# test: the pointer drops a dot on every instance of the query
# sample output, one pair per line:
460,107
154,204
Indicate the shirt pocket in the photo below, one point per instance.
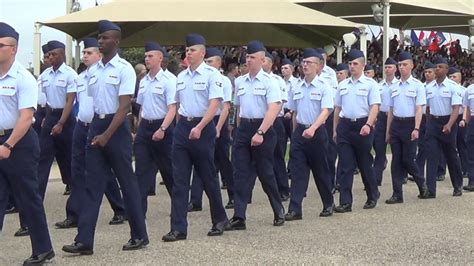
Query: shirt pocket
259,91
157,90
297,95
445,94
240,91
362,92
394,93
200,86
112,80
61,83
315,96
343,91
429,94
180,86
7,91
410,93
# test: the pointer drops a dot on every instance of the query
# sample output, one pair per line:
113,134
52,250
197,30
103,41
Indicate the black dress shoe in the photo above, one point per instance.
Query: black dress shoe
65,224
343,208
326,212
236,224
292,216
230,204
440,178
78,248
285,197
224,186
469,188
411,178
174,236
23,231
194,208
405,180
162,183
278,220
356,171
423,190
219,228
67,190
117,219
40,259
370,204
457,193
11,210
394,200
151,193
134,244
427,195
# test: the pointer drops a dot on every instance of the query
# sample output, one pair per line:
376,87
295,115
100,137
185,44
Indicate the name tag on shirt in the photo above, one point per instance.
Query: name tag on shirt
199,86
180,86
445,93
7,90
429,95
92,80
470,95
362,92
410,93
61,83
395,92
80,87
343,91
111,79
240,91
259,91
315,96
158,90
297,95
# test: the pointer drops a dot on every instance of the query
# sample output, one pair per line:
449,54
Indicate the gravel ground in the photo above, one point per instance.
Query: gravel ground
427,232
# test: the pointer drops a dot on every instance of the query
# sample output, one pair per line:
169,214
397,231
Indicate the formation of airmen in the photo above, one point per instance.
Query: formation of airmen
183,133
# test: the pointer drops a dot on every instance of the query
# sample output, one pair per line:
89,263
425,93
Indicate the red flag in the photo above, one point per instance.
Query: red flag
422,36
432,36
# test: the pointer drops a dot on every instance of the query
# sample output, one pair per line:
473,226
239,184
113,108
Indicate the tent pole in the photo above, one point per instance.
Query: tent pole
363,40
386,27
339,53
36,50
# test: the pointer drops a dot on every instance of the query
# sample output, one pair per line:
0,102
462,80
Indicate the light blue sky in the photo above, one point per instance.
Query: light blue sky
22,14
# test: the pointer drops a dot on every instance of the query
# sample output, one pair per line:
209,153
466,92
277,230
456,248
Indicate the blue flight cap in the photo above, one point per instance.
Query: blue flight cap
453,70
368,67
45,48
390,61
286,61
213,51
90,42
428,65
310,52
105,25
354,54
154,46
8,31
440,61
255,46
404,56
342,67
268,55
194,39
242,60
320,50
55,45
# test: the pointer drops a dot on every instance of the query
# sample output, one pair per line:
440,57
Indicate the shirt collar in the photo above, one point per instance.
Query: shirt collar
13,71
113,61
408,81
61,69
258,76
157,76
199,69
362,79
394,80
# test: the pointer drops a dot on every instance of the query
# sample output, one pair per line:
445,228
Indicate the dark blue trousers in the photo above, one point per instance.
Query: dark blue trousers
462,146
222,163
353,148
152,156
59,147
40,114
380,146
116,155
199,153
422,153
18,174
78,164
251,161
332,148
306,155
437,142
403,155
470,151
279,165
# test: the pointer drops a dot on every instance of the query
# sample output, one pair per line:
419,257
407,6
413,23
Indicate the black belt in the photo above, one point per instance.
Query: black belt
82,123
440,116
103,116
54,110
383,113
4,132
153,121
410,118
251,120
40,106
304,125
354,119
191,119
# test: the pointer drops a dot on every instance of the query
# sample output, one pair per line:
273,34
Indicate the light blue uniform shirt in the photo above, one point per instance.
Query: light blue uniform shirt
461,90
41,95
424,107
195,89
254,95
227,84
329,76
309,99
56,84
155,94
18,90
385,95
290,84
86,103
356,97
115,78
468,99
406,96
283,92
441,97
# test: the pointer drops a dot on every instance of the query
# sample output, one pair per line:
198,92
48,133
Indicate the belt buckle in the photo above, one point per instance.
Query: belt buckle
353,119
2,132
189,119
102,116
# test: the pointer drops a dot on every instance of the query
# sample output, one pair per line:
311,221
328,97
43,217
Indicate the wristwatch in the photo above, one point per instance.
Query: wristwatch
260,132
163,128
10,147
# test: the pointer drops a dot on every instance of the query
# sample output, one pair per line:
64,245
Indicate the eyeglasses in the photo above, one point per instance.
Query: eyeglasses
307,62
3,45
